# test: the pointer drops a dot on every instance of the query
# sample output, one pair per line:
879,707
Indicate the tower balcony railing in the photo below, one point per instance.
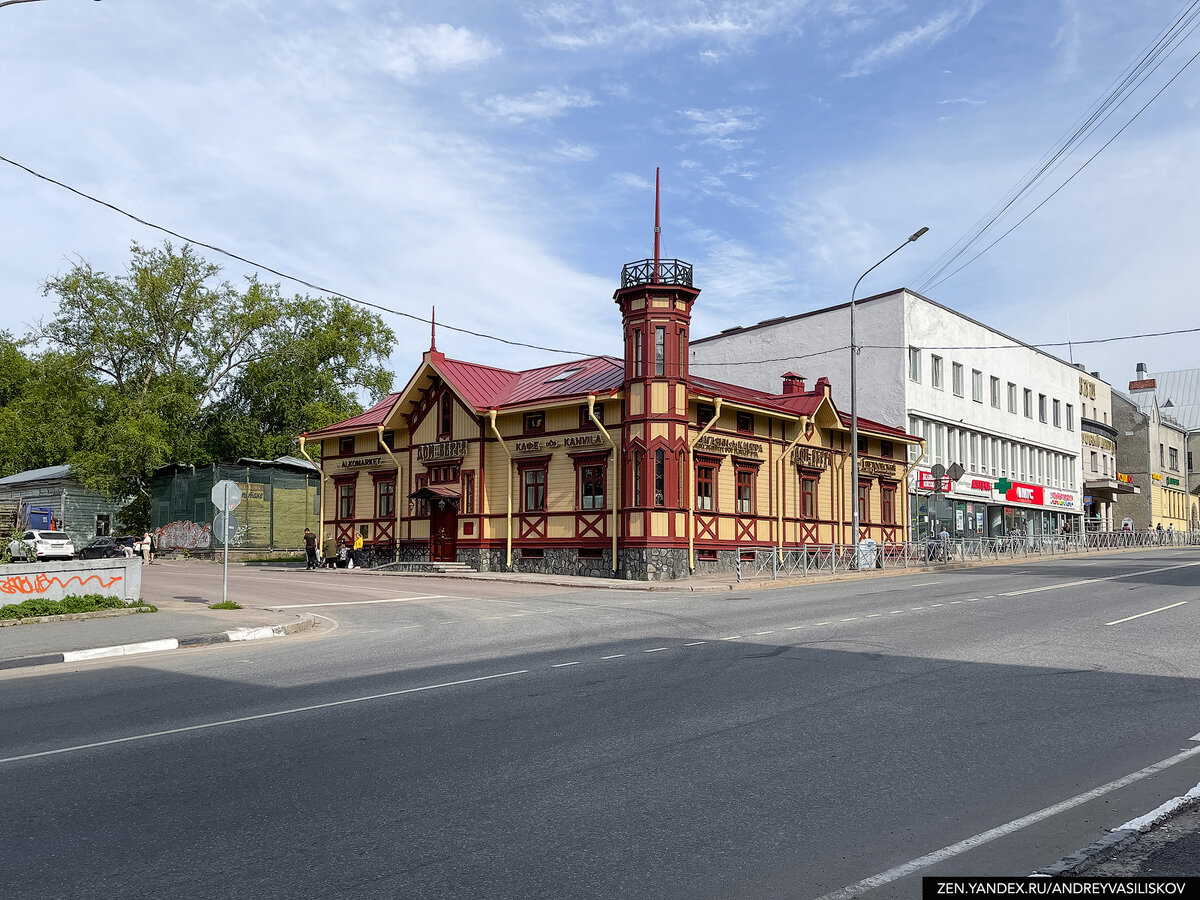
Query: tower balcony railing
663,271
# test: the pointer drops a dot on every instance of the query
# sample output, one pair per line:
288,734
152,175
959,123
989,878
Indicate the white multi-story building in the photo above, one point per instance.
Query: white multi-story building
1005,411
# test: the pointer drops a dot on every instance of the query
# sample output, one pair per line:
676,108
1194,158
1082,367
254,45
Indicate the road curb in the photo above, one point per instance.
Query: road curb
261,632
1121,838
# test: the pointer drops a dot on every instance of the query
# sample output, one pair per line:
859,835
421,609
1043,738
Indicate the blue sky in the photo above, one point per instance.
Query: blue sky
497,159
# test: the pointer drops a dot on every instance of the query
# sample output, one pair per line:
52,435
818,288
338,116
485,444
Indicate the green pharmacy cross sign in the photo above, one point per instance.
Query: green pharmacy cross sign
1003,485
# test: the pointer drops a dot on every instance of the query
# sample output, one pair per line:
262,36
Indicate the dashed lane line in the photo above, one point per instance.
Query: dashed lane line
613,656
655,650
563,665
1149,613
695,643
364,602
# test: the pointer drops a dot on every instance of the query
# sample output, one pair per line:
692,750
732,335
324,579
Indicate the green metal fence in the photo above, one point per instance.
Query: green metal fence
278,503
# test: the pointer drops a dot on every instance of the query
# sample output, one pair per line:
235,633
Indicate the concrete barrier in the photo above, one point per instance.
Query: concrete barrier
56,579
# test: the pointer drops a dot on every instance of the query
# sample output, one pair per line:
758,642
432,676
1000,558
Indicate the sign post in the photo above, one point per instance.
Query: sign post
225,496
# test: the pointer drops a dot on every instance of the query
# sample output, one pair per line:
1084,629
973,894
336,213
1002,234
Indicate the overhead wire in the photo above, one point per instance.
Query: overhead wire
285,275
1161,48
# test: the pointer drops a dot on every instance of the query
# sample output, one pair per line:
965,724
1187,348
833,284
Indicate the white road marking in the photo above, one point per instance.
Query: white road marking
695,643
563,665
794,627
270,715
758,633
815,624
851,619
917,607
936,605
485,618
952,602
732,637
1150,613
990,597
926,583
874,615
364,602
1065,584
614,656
983,837
655,650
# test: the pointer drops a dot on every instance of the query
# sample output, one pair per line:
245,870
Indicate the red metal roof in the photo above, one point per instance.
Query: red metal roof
485,387
369,419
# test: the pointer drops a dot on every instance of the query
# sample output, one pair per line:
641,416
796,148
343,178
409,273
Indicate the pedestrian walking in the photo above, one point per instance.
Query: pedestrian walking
310,550
145,547
358,547
329,551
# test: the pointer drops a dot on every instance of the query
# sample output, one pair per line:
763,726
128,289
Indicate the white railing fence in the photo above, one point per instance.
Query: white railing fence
817,559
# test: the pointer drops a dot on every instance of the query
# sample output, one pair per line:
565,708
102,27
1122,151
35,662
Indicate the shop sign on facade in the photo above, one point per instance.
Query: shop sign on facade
877,467
1127,479
571,440
926,482
1058,498
1156,476
361,462
1103,443
981,484
1174,481
712,444
441,450
1025,493
811,457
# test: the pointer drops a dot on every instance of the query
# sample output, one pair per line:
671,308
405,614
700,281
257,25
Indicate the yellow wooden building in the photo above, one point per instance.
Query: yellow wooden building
631,467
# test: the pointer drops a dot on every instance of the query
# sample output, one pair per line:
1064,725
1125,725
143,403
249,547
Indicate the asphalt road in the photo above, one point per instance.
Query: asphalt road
460,739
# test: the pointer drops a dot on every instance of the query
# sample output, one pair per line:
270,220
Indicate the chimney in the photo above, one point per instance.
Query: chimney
1094,374
823,386
793,383
1141,371
1079,366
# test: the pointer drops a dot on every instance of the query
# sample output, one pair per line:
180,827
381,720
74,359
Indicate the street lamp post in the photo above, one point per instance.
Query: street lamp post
854,396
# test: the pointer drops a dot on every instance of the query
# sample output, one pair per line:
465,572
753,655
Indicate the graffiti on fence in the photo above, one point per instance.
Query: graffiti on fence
39,583
184,535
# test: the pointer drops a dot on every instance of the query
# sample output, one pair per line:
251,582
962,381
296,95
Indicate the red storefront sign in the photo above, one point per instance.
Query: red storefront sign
980,484
1024,493
926,482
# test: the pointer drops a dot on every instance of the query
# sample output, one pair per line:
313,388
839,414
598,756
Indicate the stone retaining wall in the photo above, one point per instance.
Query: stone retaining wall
54,580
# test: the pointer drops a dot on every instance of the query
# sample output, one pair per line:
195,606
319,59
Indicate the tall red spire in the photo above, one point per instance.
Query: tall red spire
433,328
657,228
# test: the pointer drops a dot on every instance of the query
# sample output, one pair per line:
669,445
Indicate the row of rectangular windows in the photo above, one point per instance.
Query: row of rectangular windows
993,456
1048,412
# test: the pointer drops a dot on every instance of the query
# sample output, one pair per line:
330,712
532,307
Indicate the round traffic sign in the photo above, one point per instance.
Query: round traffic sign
225,528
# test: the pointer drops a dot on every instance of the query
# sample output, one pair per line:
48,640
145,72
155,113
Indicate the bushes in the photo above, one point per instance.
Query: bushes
74,603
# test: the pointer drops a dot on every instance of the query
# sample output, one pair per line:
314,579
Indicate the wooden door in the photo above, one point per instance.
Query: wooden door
443,531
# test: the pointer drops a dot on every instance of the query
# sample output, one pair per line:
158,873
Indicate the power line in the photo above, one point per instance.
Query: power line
281,274
1119,92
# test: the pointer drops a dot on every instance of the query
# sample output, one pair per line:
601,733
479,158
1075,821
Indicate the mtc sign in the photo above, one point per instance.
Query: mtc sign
1025,493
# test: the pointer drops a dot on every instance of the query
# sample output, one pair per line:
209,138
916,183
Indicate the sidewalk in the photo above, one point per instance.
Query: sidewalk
177,623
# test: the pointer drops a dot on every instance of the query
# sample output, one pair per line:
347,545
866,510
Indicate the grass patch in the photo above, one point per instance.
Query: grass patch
225,604
72,603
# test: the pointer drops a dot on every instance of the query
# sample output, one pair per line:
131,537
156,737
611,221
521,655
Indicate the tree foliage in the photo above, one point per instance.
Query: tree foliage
167,362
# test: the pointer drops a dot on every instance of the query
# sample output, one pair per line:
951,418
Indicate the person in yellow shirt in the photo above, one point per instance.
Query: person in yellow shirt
358,545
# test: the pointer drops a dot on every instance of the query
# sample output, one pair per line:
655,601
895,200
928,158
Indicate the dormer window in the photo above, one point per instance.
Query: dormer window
345,446
446,419
745,423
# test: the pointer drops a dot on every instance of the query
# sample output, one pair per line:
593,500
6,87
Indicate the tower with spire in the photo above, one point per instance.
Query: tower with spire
655,299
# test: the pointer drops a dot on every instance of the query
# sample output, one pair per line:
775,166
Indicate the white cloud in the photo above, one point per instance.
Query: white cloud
965,100
921,36
544,103
431,49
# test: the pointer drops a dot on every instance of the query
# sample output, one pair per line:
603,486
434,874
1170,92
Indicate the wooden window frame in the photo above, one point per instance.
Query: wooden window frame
864,501
468,492
534,422
381,490
705,413
445,414
585,422
887,449
808,496
745,423
534,466
343,496
343,448
887,503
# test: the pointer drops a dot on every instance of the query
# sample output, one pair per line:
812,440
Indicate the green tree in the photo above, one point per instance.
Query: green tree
168,363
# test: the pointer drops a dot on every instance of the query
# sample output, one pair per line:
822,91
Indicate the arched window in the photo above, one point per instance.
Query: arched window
660,477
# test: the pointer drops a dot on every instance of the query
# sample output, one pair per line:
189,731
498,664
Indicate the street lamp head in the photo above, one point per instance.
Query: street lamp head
913,237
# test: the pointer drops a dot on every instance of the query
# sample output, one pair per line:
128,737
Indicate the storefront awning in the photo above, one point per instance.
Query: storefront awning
435,493
1110,488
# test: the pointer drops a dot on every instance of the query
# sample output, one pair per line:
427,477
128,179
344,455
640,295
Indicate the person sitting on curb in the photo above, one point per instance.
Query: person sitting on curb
343,557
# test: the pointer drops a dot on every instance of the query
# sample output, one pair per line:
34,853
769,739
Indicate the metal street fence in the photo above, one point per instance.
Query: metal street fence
818,559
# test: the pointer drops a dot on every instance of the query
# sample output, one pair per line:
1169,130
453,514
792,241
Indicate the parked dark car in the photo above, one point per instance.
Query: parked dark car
103,548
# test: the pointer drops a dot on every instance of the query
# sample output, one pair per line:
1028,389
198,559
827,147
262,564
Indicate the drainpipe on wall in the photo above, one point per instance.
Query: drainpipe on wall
907,472
717,402
508,513
801,426
616,472
320,484
395,493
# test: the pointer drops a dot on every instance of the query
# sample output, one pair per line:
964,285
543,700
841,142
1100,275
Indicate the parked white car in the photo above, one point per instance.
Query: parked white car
42,545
